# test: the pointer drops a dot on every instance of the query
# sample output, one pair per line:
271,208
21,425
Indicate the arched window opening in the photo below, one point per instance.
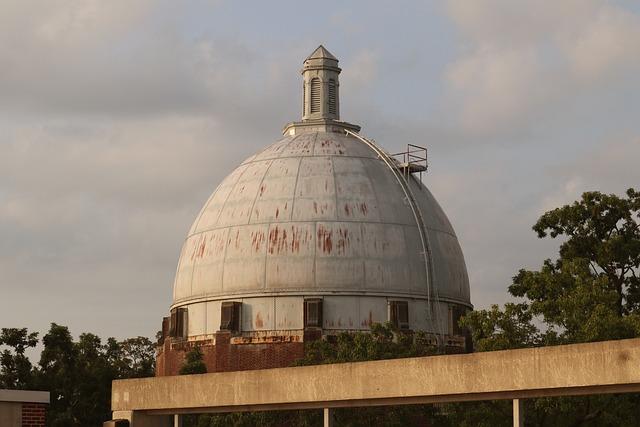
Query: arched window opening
315,95
332,97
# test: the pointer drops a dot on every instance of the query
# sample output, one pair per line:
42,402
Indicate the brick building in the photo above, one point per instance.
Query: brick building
23,408
320,232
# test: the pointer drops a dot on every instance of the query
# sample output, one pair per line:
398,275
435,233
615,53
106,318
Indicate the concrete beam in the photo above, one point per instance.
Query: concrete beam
594,368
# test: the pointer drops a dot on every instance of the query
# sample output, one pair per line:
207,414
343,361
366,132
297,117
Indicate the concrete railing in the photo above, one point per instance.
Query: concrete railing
593,368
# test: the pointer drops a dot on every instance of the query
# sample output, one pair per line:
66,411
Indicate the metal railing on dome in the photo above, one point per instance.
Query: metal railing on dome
413,160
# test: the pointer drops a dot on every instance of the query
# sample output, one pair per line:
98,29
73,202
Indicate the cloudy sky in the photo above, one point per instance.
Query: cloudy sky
118,119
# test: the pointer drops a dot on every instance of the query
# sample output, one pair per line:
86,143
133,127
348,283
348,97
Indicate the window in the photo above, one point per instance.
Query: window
315,95
455,313
332,97
178,323
230,316
399,314
313,313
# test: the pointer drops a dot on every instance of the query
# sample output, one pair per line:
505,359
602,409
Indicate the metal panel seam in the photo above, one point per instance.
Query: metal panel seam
224,259
266,258
258,192
410,198
302,155
319,220
295,187
326,292
375,196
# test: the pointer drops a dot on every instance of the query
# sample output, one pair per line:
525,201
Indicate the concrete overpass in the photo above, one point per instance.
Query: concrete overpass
593,368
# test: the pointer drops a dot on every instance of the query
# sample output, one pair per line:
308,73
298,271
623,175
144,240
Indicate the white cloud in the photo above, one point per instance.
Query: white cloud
521,58
119,118
360,71
611,167
608,45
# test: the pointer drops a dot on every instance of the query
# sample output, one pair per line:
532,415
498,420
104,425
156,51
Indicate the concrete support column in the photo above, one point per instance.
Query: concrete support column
177,420
328,417
518,413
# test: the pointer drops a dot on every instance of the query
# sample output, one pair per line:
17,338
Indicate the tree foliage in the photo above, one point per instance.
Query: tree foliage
590,293
193,364
384,342
78,374
15,366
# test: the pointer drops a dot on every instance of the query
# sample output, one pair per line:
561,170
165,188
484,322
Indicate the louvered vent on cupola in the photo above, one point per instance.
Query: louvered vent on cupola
315,95
332,97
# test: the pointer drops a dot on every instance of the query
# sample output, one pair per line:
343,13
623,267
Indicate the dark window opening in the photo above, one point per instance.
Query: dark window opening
178,323
313,313
230,316
399,314
455,313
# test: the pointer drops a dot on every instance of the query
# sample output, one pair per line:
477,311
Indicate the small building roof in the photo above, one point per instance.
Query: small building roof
24,396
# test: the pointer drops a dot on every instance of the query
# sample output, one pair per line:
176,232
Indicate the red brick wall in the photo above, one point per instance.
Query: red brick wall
225,356
33,414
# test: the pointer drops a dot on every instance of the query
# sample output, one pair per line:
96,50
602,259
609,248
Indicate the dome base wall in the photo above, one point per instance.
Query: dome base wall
222,355
226,352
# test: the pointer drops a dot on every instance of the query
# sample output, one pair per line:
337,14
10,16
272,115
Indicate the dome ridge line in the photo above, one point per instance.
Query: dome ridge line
295,187
342,156
428,261
352,221
266,172
302,291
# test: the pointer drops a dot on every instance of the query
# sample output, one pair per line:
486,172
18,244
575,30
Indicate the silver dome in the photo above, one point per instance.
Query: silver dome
319,213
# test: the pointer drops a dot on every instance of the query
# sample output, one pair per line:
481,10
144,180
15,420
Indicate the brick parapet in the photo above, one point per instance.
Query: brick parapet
225,355
33,414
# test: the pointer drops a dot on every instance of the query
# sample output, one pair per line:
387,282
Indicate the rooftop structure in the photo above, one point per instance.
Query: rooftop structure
321,232
23,408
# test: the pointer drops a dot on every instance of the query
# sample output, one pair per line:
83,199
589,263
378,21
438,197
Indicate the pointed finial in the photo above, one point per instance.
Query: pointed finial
321,52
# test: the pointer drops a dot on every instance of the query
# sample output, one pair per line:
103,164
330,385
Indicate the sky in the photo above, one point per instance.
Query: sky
119,118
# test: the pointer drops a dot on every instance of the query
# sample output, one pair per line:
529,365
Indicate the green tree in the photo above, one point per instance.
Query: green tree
604,231
495,329
93,385
194,364
16,371
590,293
59,375
132,357
383,342
79,374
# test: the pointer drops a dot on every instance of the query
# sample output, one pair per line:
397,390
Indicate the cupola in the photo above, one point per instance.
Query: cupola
320,96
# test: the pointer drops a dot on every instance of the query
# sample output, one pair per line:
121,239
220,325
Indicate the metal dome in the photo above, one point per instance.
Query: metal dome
319,213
